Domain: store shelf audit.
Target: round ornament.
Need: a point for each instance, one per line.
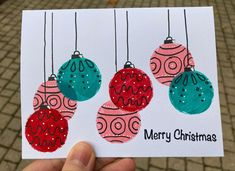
(54, 98)
(191, 92)
(169, 60)
(79, 78)
(46, 130)
(131, 89)
(116, 125)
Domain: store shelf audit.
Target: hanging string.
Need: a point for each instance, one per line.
(186, 34)
(168, 22)
(52, 45)
(115, 38)
(76, 34)
(44, 60)
(127, 36)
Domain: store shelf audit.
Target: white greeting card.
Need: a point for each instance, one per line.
(136, 82)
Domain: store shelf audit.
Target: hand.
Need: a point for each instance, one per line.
(82, 158)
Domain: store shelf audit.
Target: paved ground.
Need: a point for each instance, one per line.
(10, 127)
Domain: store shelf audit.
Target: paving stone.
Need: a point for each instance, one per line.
(3, 82)
(224, 110)
(16, 78)
(12, 86)
(14, 66)
(6, 62)
(176, 164)
(3, 101)
(232, 109)
(17, 144)
(222, 99)
(228, 82)
(23, 164)
(191, 166)
(8, 74)
(15, 124)
(7, 137)
(231, 99)
(4, 120)
(155, 169)
(226, 118)
(18, 113)
(2, 54)
(12, 55)
(195, 159)
(142, 163)
(228, 161)
(13, 156)
(10, 108)
(159, 162)
(7, 166)
(229, 145)
(7, 93)
(2, 152)
(227, 131)
(212, 161)
(15, 98)
(212, 169)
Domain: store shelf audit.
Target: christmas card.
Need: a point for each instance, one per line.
(120, 79)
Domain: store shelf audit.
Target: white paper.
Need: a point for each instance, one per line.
(147, 30)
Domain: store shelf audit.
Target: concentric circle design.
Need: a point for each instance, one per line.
(55, 99)
(168, 61)
(116, 125)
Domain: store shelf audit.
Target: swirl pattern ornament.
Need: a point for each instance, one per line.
(168, 61)
(55, 99)
(116, 125)
(46, 130)
(131, 89)
(79, 79)
(191, 92)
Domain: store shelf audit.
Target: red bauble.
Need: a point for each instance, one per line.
(131, 89)
(46, 130)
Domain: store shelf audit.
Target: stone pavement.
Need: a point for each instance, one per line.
(10, 126)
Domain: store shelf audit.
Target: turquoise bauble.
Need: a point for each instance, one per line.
(79, 78)
(191, 92)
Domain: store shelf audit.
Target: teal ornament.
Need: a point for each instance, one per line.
(79, 78)
(191, 92)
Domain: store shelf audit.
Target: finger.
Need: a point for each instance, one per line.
(80, 158)
(101, 162)
(125, 164)
(42, 165)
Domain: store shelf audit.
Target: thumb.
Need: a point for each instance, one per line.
(80, 158)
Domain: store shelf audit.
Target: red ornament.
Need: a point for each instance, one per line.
(169, 60)
(131, 89)
(46, 130)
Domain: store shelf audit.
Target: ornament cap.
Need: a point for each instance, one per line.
(128, 64)
(44, 106)
(76, 54)
(188, 69)
(52, 77)
(168, 40)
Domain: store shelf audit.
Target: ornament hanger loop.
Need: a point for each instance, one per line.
(129, 64)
